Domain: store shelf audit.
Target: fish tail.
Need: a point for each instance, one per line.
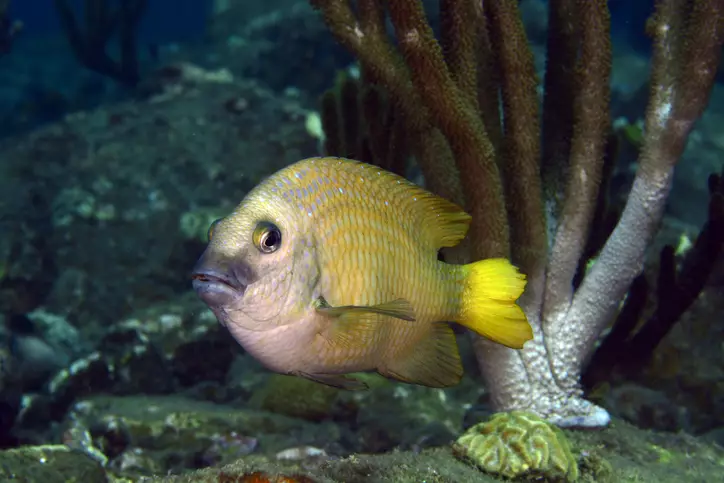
(488, 306)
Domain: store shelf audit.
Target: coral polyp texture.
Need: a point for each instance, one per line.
(518, 444)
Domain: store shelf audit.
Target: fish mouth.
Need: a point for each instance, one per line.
(218, 287)
(215, 288)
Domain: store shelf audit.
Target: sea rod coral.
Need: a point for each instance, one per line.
(470, 114)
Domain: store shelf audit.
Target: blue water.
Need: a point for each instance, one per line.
(165, 20)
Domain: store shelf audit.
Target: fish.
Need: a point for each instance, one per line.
(329, 267)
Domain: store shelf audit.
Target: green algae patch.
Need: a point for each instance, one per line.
(642, 456)
(49, 464)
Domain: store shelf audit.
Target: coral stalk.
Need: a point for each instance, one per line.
(506, 180)
(685, 60)
(461, 125)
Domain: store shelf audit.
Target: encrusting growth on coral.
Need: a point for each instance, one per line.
(631, 343)
(533, 197)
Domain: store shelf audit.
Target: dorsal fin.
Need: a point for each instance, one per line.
(447, 221)
(446, 224)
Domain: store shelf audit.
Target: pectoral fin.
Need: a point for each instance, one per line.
(356, 326)
(399, 309)
(339, 381)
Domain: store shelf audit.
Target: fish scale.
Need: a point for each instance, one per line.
(372, 260)
(350, 281)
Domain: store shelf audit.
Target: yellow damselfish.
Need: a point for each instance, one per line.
(330, 267)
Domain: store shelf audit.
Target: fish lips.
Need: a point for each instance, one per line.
(214, 291)
(219, 287)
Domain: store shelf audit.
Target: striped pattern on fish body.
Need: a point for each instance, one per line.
(373, 238)
(356, 283)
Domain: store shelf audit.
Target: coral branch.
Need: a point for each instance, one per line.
(474, 153)
(437, 98)
(488, 79)
(521, 145)
(590, 128)
(460, 42)
(509, 370)
(675, 104)
(562, 52)
(630, 345)
(368, 41)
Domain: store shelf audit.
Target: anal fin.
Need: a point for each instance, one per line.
(434, 361)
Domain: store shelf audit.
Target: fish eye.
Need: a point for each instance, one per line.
(267, 237)
(210, 232)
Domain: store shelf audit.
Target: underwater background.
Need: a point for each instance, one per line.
(123, 137)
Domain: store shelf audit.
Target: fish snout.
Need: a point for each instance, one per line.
(219, 283)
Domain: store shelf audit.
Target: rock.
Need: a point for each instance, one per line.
(99, 196)
(50, 464)
(155, 435)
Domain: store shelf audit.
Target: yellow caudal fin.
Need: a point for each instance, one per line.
(488, 304)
